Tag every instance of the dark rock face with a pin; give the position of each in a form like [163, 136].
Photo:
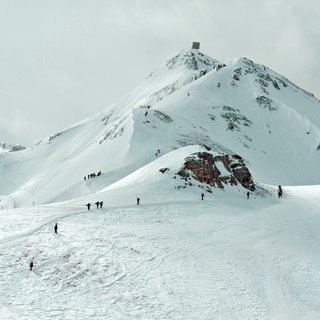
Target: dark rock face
[202, 167]
[11, 147]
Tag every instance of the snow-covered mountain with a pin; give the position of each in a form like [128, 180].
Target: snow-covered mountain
[229, 107]
[192, 142]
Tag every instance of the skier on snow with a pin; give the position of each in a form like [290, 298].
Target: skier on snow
[202, 196]
[31, 265]
[138, 201]
[97, 204]
[88, 205]
[55, 228]
[101, 204]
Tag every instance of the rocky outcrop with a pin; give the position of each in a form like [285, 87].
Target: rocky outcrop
[10, 147]
[202, 167]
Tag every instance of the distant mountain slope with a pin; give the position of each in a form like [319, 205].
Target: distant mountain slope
[231, 107]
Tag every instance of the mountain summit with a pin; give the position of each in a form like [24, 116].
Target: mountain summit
[225, 109]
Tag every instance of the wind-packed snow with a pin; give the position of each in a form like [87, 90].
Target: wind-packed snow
[174, 256]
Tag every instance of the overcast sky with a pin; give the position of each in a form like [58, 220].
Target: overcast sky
[63, 60]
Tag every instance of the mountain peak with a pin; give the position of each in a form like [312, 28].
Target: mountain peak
[191, 59]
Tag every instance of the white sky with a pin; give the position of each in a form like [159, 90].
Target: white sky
[62, 61]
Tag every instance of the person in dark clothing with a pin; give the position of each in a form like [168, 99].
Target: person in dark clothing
[85, 178]
[31, 265]
[138, 201]
[159, 151]
[101, 204]
[279, 192]
[55, 228]
[202, 196]
[248, 195]
[146, 113]
[88, 205]
[97, 204]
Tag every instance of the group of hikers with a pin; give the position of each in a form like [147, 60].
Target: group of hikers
[92, 175]
[99, 204]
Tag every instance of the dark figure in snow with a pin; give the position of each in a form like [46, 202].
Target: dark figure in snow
[99, 173]
[88, 176]
[55, 228]
[158, 150]
[279, 192]
[248, 195]
[188, 94]
[138, 201]
[85, 178]
[97, 204]
[31, 265]
[101, 204]
[156, 154]
[146, 113]
[88, 205]
[202, 196]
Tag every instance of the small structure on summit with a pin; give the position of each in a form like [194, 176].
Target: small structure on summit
[195, 45]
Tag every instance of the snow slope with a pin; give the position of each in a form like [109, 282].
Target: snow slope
[222, 258]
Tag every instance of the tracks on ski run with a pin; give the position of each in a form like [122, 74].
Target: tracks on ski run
[158, 262]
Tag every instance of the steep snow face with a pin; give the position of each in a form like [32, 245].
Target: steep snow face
[175, 73]
[233, 107]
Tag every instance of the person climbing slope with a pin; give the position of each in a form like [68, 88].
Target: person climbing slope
[279, 192]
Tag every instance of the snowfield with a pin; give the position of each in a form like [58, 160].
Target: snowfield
[222, 258]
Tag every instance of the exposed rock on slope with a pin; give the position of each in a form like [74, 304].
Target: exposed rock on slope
[203, 167]
[10, 147]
